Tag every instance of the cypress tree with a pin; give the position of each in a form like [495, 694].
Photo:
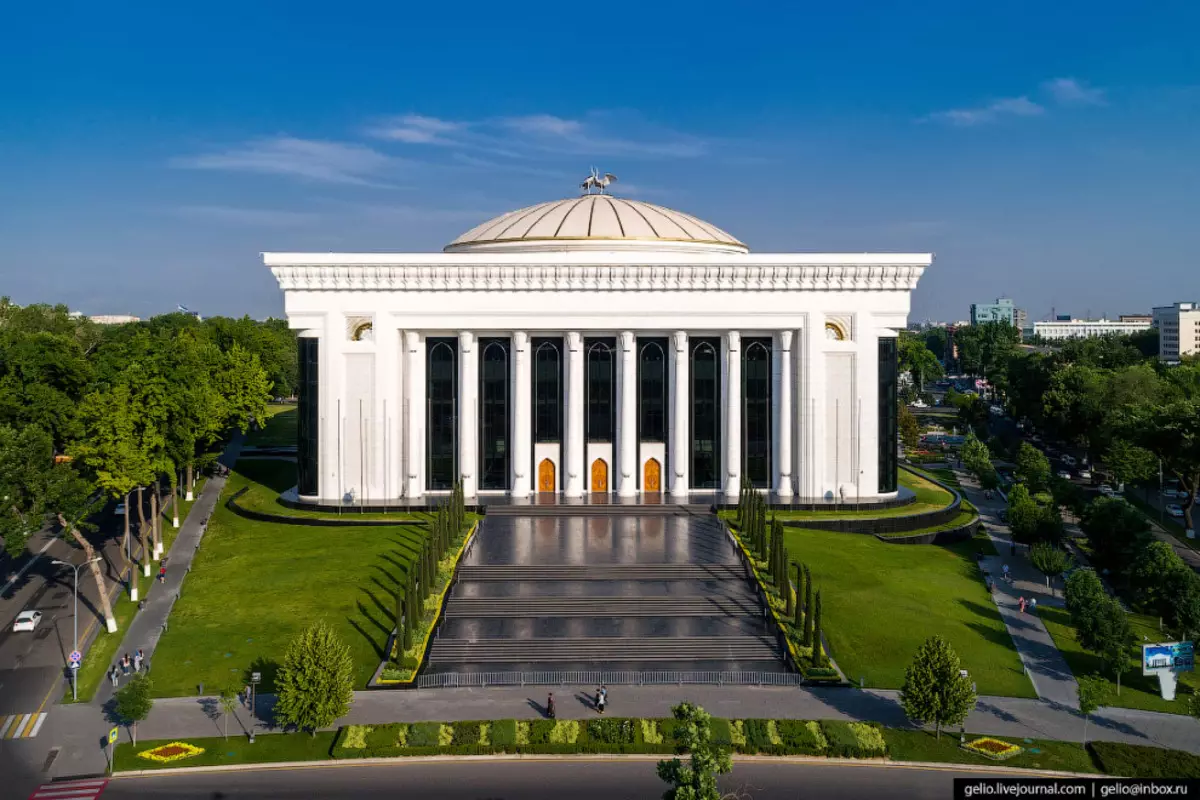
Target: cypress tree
[808, 606]
[787, 590]
[426, 571]
[410, 614]
[818, 654]
[798, 621]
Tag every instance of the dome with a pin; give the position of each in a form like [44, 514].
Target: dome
[596, 222]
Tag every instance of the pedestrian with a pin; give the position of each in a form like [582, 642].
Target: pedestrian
[162, 574]
[125, 664]
[601, 698]
[550, 706]
[1021, 604]
[114, 675]
[137, 662]
[1032, 604]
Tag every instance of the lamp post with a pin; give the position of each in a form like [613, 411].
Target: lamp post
[75, 617]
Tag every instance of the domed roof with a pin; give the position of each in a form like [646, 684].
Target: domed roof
[596, 222]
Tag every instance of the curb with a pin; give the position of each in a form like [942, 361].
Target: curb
[339, 763]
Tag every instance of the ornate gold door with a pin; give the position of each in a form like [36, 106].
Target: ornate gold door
[546, 482]
[652, 476]
[599, 475]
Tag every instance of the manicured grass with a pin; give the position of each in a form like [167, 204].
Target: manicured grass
[910, 745]
[280, 427]
[234, 750]
[1137, 690]
[930, 497]
[255, 585]
[269, 477]
[880, 601]
[958, 520]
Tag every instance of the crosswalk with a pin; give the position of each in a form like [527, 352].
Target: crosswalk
[70, 790]
[21, 726]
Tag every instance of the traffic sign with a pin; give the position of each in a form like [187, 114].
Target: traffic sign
[75, 656]
[74, 665]
[112, 736]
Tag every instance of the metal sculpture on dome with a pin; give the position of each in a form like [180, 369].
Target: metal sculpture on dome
[597, 181]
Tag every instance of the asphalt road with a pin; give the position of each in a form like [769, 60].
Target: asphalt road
[530, 779]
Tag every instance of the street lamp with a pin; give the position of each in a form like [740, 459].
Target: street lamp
[75, 617]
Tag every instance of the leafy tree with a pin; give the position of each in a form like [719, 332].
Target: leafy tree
[1083, 588]
[229, 705]
[1033, 468]
[910, 428]
[975, 455]
[1074, 403]
[1170, 429]
[1093, 692]
[918, 360]
[1050, 560]
[798, 620]
[1117, 532]
[245, 388]
[1023, 514]
[316, 681]
[1110, 637]
[935, 691]
[1152, 576]
[134, 702]
[697, 779]
[26, 456]
[1183, 611]
[1130, 463]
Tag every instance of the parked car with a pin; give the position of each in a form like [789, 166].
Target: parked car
[27, 621]
[1084, 474]
[1174, 510]
[1174, 494]
[998, 410]
[1106, 490]
[1069, 461]
[919, 403]
[119, 510]
[1062, 473]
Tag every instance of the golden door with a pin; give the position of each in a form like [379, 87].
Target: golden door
[546, 482]
[652, 476]
[599, 475]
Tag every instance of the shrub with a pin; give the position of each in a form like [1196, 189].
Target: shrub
[722, 731]
[465, 733]
[424, 734]
[822, 672]
[485, 734]
[667, 726]
[758, 735]
[1139, 761]
[610, 731]
[565, 731]
[539, 731]
[798, 736]
[383, 737]
[402, 735]
[853, 739]
[445, 735]
[355, 737]
[504, 733]
[522, 733]
[649, 731]
[737, 733]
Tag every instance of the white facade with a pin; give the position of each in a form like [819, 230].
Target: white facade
[1085, 328]
[1178, 330]
[584, 277]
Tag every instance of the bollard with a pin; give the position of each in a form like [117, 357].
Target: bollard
[201, 692]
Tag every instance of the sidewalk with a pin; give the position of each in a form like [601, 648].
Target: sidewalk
[1045, 665]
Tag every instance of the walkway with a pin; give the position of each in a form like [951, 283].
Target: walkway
[1047, 669]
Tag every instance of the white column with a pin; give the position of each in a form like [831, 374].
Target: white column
[783, 416]
[573, 458]
[522, 428]
[627, 417]
[865, 433]
[468, 411]
[414, 385]
[333, 390]
[733, 414]
[680, 419]
[812, 402]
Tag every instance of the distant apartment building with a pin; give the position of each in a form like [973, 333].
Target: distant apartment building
[1000, 311]
[1178, 330]
[1020, 320]
[1086, 328]
[1137, 318]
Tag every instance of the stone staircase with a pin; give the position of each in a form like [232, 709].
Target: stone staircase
[604, 606]
[598, 510]
[670, 649]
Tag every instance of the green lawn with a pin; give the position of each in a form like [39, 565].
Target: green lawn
[930, 497]
[255, 585]
[280, 428]
[881, 601]
[1137, 690]
[234, 750]
[270, 477]
[908, 745]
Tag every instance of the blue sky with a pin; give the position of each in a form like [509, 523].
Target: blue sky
[1046, 151]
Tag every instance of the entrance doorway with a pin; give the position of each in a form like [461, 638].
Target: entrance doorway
[546, 478]
[652, 476]
[599, 475]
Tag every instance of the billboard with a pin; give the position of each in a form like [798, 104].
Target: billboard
[1169, 656]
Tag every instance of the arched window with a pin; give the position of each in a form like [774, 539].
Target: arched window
[756, 411]
[652, 392]
[493, 414]
[705, 376]
[547, 391]
[441, 413]
[599, 392]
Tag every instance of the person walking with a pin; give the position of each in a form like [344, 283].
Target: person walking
[114, 675]
[1021, 604]
[550, 706]
[137, 662]
[162, 574]
[601, 699]
[125, 664]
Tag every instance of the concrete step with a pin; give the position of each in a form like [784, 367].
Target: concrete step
[601, 572]
[599, 510]
[663, 648]
[732, 606]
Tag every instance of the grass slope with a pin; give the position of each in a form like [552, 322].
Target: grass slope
[930, 497]
[910, 745]
[255, 585]
[269, 477]
[280, 427]
[881, 601]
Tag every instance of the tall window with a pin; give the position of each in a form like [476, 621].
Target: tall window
[441, 413]
[756, 411]
[652, 390]
[308, 417]
[547, 390]
[889, 412]
[599, 391]
[706, 413]
[494, 451]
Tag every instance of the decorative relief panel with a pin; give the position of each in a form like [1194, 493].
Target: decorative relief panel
[360, 328]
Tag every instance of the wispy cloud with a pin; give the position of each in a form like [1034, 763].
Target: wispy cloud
[311, 159]
[1004, 107]
[255, 217]
[1071, 92]
[417, 129]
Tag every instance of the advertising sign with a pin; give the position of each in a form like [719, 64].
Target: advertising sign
[1175, 656]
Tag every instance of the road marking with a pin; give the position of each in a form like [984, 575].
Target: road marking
[21, 726]
[29, 564]
[13, 734]
[7, 721]
[70, 790]
[37, 726]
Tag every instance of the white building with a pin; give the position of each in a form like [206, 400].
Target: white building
[1085, 328]
[1178, 330]
[596, 345]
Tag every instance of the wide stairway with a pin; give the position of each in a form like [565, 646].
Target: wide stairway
[578, 591]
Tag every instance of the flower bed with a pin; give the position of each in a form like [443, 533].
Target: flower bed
[174, 751]
[991, 748]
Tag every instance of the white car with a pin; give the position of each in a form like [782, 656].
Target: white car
[27, 621]
[1084, 475]
[119, 510]
[1106, 490]
[1069, 461]
[1174, 494]
[1062, 473]
[1174, 510]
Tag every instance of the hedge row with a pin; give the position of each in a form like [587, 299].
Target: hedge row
[1139, 761]
[606, 735]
